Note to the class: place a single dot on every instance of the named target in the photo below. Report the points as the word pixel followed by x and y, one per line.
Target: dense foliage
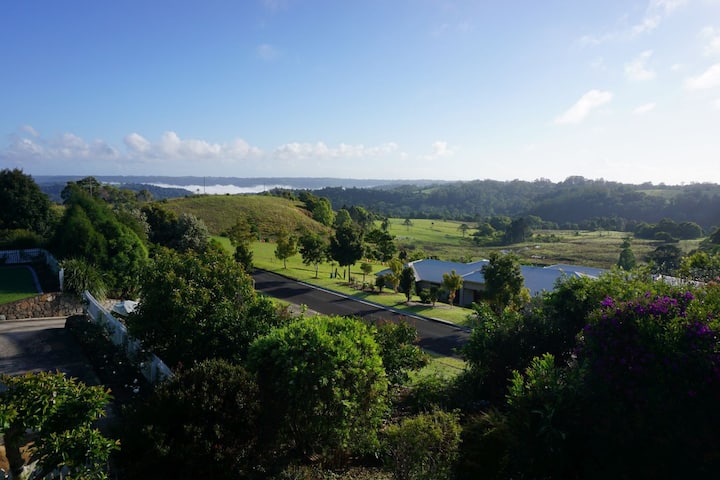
pixel 202 423
pixel 23 206
pixel 90 230
pixel 195 306
pixel 323 385
pixel 60 412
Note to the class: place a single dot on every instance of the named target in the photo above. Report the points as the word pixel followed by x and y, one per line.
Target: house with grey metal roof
pixel 429 273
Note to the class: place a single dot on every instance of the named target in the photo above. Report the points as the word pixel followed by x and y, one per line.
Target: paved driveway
pixel 34 345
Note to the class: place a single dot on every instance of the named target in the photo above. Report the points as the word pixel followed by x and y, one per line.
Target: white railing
pixel 153 368
pixel 29 255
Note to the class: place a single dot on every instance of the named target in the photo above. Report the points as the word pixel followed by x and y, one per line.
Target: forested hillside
pixel 575 202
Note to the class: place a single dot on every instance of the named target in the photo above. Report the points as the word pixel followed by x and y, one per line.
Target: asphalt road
pixel 42 345
pixel 434 336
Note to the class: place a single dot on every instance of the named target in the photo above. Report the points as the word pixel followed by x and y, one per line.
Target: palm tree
pixel 452 282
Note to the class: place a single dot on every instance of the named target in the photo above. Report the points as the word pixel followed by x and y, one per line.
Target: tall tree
pixel 285 247
pixel 323 212
pixel 396 267
pixel 627 259
pixel 503 280
pixel 407 281
pixel 22 204
pixel 518 231
pixel 313 249
pixel 90 229
pixel 665 259
pixel 452 282
pixel 240 236
pixel 346 246
pixel 191 234
pixel 381 245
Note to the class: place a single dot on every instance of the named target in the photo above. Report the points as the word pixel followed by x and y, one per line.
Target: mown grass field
pixel 269 214
pixel 16 283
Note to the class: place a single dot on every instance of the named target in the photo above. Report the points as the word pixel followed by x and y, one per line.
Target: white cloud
pixel 643 109
pixel 667 6
pixel 582 108
pixel 30 130
pixel 172 147
pixel 65 147
pixel 676 67
pixel 655 12
pixel 637 70
pixel 440 149
pixel 267 52
pixel 137 143
pixel 708 79
pixel 173 155
pixel 716 103
pixel 712 37
pixel 319 150
pixel 648 24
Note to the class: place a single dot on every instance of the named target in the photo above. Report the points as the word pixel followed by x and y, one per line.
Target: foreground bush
pixel 202 423
pixel 323 386
pixel 424 446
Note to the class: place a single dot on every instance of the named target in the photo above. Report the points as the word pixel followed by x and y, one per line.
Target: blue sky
pixel 623 90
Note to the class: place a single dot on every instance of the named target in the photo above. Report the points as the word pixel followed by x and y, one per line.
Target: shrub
pixel 202 423
pixel 424 446
pixel 323 381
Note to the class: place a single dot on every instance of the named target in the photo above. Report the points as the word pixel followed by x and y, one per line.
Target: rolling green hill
pixel 270 214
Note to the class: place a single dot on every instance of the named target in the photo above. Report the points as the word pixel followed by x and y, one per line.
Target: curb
pixel 370 303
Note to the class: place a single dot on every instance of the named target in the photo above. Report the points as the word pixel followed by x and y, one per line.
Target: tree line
pixel 571 204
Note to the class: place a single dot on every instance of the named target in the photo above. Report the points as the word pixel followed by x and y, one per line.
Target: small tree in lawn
pixel 463 228
pixel 396 267
pixel 313 249
pixel 407 281
pixel 240 235
pixel 380 282
pixel 286 247
pixel 366 269
pixel 346 246
pixel 408 223
pixel 452 282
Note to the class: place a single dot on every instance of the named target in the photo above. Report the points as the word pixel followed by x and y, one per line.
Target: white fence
pixel 153 369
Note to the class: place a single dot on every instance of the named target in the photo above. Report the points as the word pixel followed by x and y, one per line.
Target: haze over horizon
pixel 625 90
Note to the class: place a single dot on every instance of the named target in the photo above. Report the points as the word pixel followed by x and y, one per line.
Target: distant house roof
pixel 537 279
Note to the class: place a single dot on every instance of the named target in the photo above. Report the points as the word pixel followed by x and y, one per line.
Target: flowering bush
pixel 653 377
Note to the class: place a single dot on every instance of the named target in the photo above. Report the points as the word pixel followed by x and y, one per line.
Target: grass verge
pixel 264 258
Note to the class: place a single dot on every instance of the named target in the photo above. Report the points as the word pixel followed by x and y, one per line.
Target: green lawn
pixel 16 283
pixel 264 258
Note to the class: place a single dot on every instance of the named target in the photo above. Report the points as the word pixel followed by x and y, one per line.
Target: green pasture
pixel 16 283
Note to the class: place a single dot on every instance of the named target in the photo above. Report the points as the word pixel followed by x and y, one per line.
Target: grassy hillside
pixel 270 214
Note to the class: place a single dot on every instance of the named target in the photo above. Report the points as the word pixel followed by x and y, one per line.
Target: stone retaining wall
pixel 45 305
